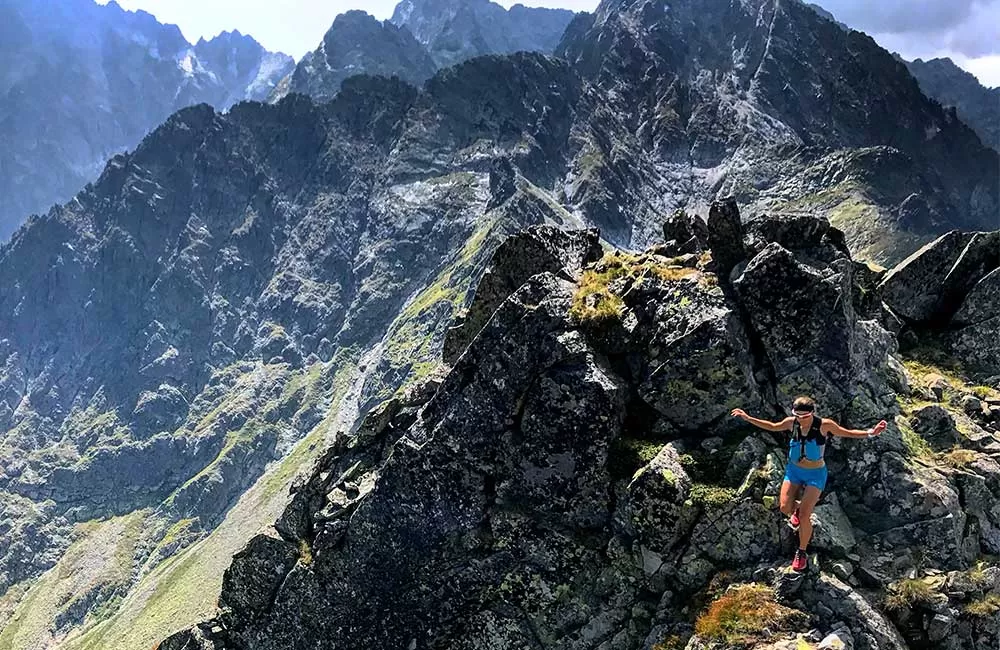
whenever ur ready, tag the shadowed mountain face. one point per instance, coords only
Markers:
(977, 106)
(81, 82)
(422, 37)
(204, 319)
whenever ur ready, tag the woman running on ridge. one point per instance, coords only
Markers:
(805, 467)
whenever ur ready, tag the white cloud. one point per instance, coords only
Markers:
(967, 31)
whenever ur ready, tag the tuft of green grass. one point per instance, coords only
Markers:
(907, 593)
(712, 496)
(595, 302)
(742, 614)
(916, 446)
(305, 553)
(958, 457)
(984, 392)
(984, 607)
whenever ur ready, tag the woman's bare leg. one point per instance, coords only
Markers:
(806, 506)
(789, 496)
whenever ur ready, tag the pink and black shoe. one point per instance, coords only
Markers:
(801, 561)
(793, 521)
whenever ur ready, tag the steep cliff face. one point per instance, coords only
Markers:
(81, 82)
(220, 292)
(977, 106)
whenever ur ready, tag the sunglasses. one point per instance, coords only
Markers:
(801, 414)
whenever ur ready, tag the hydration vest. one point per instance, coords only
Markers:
(810, 445)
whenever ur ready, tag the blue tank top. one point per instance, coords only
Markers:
(807, 446)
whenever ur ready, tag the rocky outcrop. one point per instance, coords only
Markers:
(86, 81)
(930, 286)
(544, 249)
(547, 494)
(947, 292)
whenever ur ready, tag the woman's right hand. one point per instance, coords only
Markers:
(740, 413)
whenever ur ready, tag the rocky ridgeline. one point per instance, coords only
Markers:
(184, 334)
(575, 480)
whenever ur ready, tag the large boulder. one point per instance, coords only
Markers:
(929, 286)
(655, 504)
(936, 425)
(810, 236)
(832, 531)
(685, 233)
(978, 321)
(252, 580)
(696, 367)
(539, 249)
(807, 327)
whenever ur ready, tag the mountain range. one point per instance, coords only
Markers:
(82, 82)
(218, 311)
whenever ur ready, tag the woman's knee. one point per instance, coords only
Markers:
(788, 506)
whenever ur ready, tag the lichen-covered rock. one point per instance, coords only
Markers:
(655, 505)
(936, 425)
(725, 236)
(685, 233)
(807, 235)
(832, 530)
(978, 320)
(532, 251)
(808, 329)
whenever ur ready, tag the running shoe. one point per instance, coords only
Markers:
(800, 561)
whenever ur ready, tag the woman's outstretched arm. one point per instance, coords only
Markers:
(784, 425)
(831, 427)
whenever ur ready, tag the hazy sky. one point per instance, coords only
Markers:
(966, 30)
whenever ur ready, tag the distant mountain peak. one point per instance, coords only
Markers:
(422, 37)
(92, 80)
